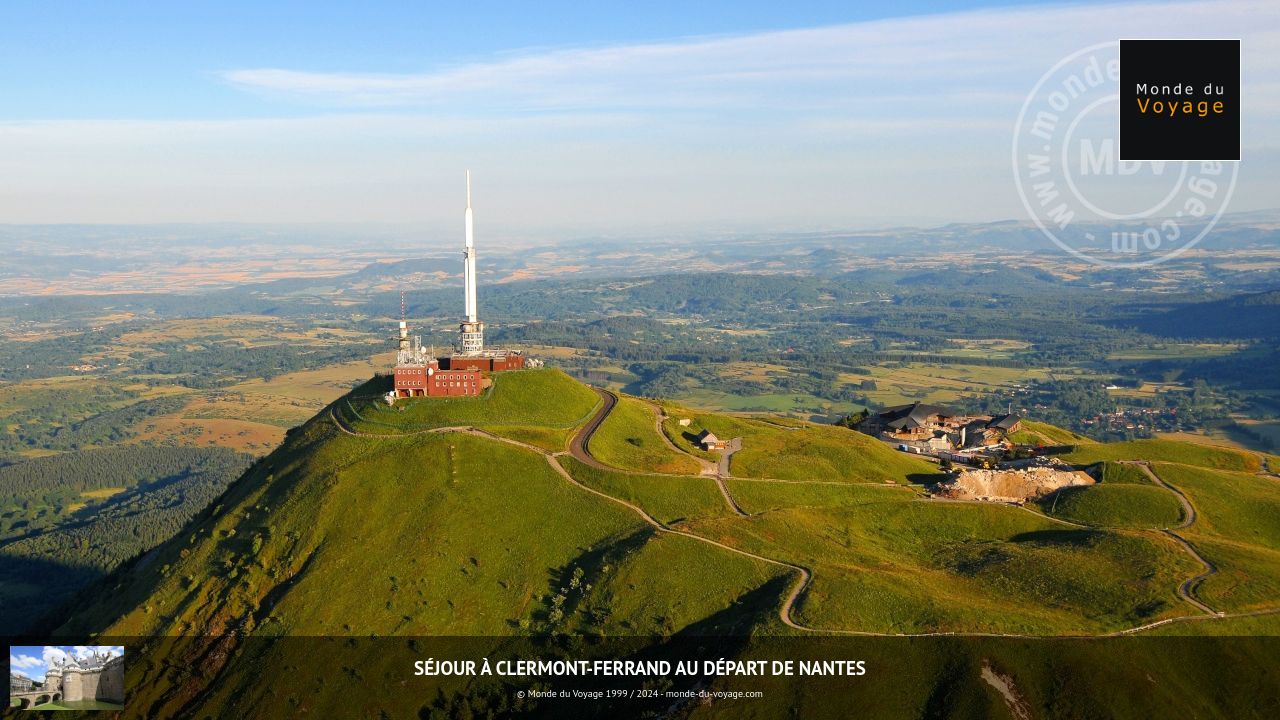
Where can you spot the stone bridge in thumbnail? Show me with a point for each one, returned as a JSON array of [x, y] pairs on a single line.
[[31, 698]]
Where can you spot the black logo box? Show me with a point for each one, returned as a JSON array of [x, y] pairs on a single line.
[[1205, 73]]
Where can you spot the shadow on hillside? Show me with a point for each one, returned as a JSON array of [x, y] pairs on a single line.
[[1074, 538], [569, 582], [35, 590], [926, 478]]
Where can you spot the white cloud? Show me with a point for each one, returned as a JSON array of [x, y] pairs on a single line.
[[25, 662], [955, 59], [53, 655]]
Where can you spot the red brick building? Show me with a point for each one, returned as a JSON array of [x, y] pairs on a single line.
[[428, 380], [490, 361]]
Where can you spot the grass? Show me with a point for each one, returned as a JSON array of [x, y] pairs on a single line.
[[885, 561], [807, 452], [454, 534], [549, 439], [628, 439], [102, 493], [305, 520], [1248, 576], [1236, 627], [757, 496], [434, 534], [1036, 433], [1238, 529], [1115, 505], [1166, 451], [668, 499], [1239, 507], [1115, 473], [544, 398]]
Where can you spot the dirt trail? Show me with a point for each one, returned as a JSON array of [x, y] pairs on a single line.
[[1189, 585], [732, 447]]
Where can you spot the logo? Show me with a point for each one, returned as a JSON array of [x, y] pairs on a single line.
[[1082, 196]]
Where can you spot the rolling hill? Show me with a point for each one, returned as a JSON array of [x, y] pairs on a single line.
[[544, 513]]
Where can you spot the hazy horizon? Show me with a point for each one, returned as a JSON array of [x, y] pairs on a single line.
[[829, 121]]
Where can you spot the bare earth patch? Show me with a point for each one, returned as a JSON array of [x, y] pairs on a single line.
[[1012, 486]]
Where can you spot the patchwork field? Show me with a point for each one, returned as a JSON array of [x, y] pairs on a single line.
[[244, 435], [899, 383]]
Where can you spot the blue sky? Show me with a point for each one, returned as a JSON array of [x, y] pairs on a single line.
[[137, 60], [35, 660], [575, 118]]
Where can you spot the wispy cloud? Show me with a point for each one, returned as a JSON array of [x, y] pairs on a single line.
[[953, 59], [25, 662], [904, 120]]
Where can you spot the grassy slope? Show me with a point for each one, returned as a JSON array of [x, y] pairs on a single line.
[[627, 439], [325, 503], [1114, 473], [1033, 433], [1116, 505], [355, 536], [1238, 529], [339, 535], [1166, 451], [808, 452], [884, 560], [544, 398], [668, 499]]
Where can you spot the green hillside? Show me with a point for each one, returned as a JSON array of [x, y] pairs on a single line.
[[1168, 451], [374, 522], [800, 451], [544, 398], [627, 440], [1118, 505]]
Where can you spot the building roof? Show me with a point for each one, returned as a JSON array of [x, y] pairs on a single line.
[[706, 436], [907, 417], [1004, 422]]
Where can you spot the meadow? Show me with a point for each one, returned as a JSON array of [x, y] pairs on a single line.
[[545, 398], [667, 499], [1159, 450], [627, 440], [798, 450], [1115, 505]]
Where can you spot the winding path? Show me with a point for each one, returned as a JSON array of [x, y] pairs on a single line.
[[722, 472], [579, 449], [578, 445], [1188, 586]]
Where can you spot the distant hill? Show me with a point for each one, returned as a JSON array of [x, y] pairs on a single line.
[[1254, 315]]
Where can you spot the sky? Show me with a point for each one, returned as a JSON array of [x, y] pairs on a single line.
[[574, 118], [35, 660]]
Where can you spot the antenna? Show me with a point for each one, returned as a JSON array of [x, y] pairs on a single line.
[[402, 318], [468, 188]]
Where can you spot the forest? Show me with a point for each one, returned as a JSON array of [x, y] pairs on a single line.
[[68, 519]]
